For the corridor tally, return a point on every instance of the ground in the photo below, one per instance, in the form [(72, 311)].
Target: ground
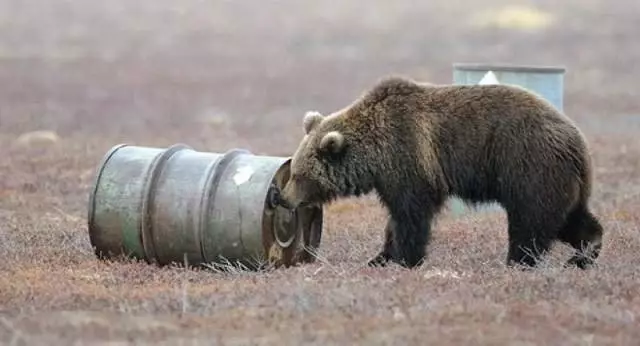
[(222, 75)]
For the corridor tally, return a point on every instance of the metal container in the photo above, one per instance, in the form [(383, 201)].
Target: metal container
[(179, 205), (546, 81)]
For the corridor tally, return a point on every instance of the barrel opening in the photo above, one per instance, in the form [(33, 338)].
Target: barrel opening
[(290, 236)]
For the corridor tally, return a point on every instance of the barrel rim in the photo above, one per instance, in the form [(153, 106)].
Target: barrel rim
[(508, 67), (92, 193), (296, 221), (285, 244)]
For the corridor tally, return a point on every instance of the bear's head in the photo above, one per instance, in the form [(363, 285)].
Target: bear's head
[(327, 164)]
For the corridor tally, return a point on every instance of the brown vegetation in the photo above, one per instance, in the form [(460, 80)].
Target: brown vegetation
[(221, 75)]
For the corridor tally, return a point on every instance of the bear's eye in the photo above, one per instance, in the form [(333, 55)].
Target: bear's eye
[(331, 157), (332, 144)]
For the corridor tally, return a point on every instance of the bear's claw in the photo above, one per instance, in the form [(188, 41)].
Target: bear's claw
[(380, 260)]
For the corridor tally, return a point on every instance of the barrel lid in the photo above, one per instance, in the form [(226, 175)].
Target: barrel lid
[(91, 203)]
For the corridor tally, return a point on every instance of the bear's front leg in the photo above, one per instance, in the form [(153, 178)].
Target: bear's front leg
[(412, 232), (406, 238), (408, 229), (381, 259)]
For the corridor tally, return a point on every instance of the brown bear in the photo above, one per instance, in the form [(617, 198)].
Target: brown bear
[(417, 144)]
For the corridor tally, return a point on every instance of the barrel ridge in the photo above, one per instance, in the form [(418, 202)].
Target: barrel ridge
[(212, 189), (205, 202), (147, 198)]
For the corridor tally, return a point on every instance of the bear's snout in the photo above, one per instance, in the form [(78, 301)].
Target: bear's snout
[(283, 198), (299, 192), (275, 198)]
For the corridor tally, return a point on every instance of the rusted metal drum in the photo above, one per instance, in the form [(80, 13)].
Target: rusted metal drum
[(177, 204)]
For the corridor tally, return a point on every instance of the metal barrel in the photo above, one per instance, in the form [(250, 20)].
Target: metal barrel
[(546, 81), (177, 204)]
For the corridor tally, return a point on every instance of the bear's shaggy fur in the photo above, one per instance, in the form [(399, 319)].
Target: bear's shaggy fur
[(417, 144)]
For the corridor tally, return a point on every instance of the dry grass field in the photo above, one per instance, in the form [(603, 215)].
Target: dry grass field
[(219, 75)]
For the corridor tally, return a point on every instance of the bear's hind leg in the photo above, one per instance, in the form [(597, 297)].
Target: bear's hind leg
[(530, 237), (583, 232)]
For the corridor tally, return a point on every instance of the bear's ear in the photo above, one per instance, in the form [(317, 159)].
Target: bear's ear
[(311, 120), (332, 143)]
